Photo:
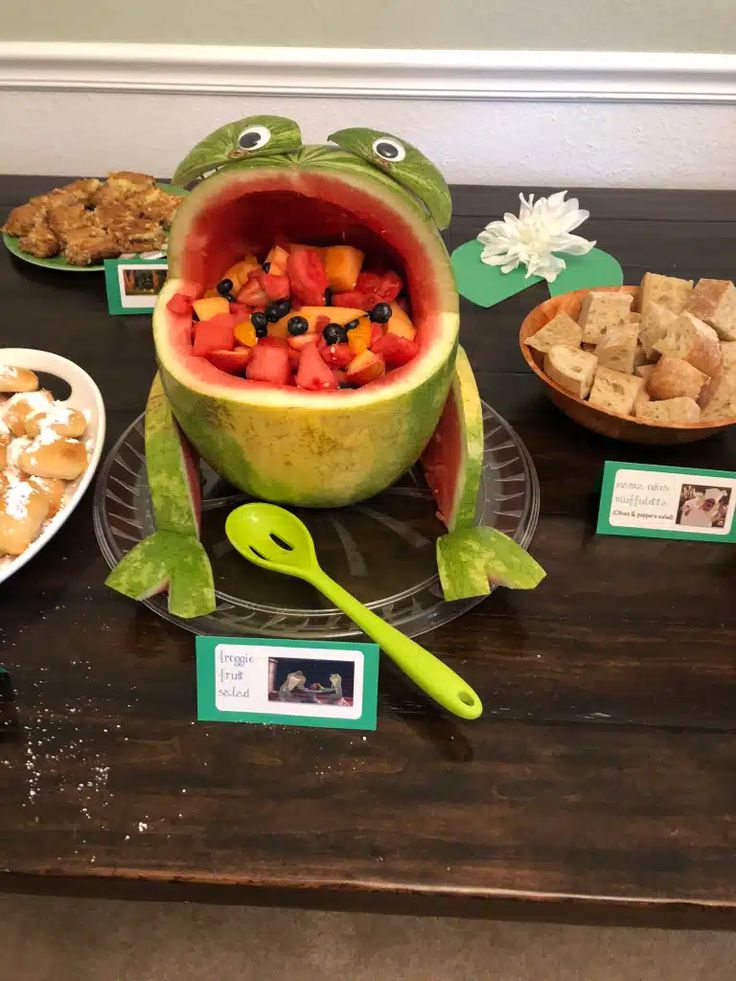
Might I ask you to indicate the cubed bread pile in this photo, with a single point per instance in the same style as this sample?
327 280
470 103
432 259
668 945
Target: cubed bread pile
671 362
41 449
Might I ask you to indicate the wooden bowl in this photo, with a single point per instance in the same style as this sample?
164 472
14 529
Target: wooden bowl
611 424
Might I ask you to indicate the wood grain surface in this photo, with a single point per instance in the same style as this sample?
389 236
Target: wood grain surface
600 782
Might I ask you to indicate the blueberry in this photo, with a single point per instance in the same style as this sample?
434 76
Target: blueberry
381 313
352 325
261 331
297 325
282 306
328 296
224 287
334 334
267 267
260 322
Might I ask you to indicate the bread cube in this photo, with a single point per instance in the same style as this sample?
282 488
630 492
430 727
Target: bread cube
642 399
728 353
601 311
673 412
644 371
655 322
615 391
562 329
572 370
714 302
668 291
720 400
673 377
693 341
617 348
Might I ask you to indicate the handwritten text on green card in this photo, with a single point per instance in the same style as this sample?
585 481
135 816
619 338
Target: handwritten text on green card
675 502
287 682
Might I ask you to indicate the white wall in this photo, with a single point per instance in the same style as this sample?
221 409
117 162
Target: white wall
606 25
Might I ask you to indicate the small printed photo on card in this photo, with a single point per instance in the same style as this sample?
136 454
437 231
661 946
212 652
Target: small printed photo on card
287 682
644 501
133 283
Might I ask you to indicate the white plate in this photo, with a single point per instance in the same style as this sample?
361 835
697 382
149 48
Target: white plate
85 396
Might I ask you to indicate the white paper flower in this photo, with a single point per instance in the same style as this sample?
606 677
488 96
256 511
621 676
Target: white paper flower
542 229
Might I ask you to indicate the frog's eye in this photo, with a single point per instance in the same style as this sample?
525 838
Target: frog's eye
389 149
254 137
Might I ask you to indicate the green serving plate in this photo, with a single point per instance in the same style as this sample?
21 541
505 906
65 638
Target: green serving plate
58 261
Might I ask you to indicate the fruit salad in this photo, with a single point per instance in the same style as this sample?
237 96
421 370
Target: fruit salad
315 317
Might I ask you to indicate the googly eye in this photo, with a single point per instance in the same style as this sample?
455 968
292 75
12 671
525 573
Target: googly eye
387 148
254 137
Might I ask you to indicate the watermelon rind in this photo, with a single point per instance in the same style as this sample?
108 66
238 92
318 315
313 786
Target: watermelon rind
170 468
284 444
465 408
167 559
472 560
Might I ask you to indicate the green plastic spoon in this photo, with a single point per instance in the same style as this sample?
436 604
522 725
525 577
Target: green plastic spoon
276 539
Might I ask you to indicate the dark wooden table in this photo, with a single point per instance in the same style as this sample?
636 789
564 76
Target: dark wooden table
601 782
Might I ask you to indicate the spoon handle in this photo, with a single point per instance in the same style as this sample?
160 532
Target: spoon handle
427 671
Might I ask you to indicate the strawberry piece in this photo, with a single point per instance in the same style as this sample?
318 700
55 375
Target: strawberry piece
215 334
313 374
241 310
299 342
269 362
386 285
396 350
274 286
307 276
180 303
233 362
253 293
337 355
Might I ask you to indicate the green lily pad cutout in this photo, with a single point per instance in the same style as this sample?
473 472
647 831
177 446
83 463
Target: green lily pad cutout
583 272
486 285
482 284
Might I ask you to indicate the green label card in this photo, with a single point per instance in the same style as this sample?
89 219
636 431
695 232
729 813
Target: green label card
287 682
134 282
676 502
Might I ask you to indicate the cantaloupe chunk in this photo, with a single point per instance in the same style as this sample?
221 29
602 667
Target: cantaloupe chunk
238 272
210 307
276 261
343 264
337 315
400 323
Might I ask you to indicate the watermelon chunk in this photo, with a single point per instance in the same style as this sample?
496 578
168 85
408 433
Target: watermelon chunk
180 303
307 276
275 287
336 355
383 287
215 334
313 373
395 350
269 362
352 298
471 560
453 458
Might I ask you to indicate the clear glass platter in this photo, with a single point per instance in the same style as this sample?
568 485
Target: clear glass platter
382 550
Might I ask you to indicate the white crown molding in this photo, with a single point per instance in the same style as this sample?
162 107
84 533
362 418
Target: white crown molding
559 76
